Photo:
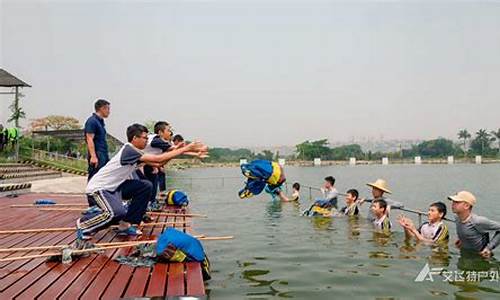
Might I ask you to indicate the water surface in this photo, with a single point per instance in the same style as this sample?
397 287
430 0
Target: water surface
277 253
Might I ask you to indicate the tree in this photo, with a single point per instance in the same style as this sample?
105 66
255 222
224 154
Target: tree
150 125
55 123
436 148
347 151
310 150
229 155
464 135
496 135
481 143
265 154
17 112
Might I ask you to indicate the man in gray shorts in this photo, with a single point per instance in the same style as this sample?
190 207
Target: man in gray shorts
473 231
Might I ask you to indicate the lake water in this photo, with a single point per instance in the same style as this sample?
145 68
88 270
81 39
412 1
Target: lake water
277 253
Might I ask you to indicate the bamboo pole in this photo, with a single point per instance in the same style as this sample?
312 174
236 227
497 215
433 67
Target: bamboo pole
61 209
216 238
153 213
38 230
60 254
45 205
28 257
38 248
60 229
102 246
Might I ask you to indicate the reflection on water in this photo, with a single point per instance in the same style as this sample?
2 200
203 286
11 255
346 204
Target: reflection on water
353 227
381 238
470 261
252 275
320 223
273 209
279 253
439 255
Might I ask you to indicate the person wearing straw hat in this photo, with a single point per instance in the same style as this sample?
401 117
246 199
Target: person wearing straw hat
379 188
473 231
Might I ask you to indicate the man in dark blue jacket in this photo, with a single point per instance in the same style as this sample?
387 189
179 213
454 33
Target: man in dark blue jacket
95 137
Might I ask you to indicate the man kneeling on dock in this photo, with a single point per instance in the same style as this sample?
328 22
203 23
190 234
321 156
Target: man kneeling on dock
114 182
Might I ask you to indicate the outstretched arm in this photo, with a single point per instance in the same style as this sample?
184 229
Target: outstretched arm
161 159
283 197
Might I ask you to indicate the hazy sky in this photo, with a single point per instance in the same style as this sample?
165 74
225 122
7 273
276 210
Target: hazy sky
261 73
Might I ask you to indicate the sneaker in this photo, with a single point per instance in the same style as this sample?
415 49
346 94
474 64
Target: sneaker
81 236
130 231
155 206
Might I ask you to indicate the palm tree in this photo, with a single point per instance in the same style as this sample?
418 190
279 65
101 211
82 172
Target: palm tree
464 135
496 135
484 137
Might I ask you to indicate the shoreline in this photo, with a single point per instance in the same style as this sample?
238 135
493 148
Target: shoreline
190 163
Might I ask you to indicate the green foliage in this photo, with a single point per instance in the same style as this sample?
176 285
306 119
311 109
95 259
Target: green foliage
310 150
346 151
266 154
496 135
229 155
17 112
150 125
436 148
464 135
481 144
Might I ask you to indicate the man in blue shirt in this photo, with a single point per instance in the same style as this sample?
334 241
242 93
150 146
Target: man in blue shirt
95 137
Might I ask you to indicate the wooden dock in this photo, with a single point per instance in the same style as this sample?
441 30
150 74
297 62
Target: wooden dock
97 276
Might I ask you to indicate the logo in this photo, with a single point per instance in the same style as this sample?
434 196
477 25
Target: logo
427 272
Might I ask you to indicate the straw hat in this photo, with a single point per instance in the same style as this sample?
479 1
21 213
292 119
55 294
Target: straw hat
381 185
464 196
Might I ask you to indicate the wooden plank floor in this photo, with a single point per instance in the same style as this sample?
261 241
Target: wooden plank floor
97 276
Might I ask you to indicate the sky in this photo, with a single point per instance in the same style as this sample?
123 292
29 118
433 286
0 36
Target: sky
260 73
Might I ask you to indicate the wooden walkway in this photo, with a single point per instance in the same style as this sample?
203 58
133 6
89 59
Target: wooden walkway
95 277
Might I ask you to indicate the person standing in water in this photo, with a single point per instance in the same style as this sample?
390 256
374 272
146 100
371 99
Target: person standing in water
379 188
473 231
